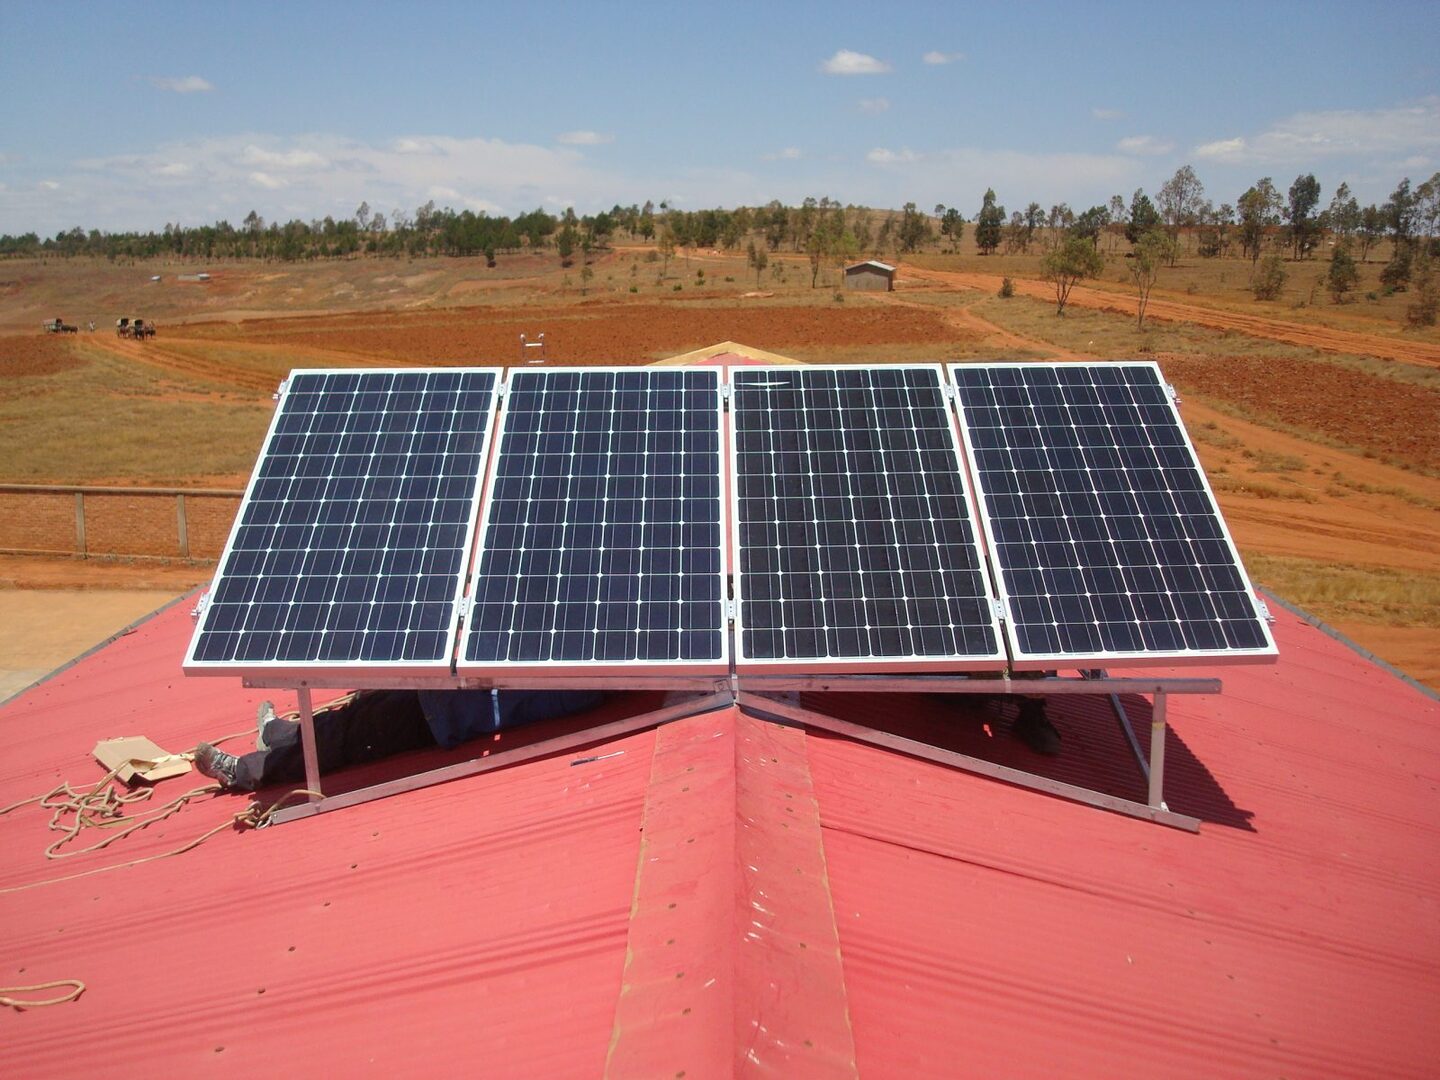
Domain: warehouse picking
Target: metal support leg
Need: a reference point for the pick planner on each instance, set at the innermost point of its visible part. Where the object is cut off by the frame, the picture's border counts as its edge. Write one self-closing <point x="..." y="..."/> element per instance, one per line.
<point x="1120" y="714"/>
<point x="307" y="741"/>
<point x="1157" y="752"/>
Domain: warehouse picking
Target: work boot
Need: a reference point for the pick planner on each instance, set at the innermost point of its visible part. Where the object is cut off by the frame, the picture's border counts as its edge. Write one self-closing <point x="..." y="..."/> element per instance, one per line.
<point x="1033" y="728"/>
<point x="263" y="715"/>
<point x="218" y="765"/>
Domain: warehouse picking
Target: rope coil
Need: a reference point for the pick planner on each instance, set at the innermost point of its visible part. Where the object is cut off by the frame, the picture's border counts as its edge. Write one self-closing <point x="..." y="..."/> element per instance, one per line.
<point x="100" y="806"/>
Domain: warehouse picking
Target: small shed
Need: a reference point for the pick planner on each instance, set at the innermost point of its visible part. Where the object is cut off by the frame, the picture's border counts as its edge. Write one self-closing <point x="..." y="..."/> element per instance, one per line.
<point x="870" y="275"/>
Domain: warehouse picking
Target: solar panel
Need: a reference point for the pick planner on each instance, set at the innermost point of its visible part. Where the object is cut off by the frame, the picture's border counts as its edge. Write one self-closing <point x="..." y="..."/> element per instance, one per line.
<point x="349" y="548"/>
<point x="854" y="533"/>
<point x="602" y="542"/>
<point x="1103" y="530"/>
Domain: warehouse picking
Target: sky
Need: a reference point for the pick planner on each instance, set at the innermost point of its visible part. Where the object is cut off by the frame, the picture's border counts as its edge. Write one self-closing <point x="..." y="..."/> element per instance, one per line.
<point x="128" y="116"/>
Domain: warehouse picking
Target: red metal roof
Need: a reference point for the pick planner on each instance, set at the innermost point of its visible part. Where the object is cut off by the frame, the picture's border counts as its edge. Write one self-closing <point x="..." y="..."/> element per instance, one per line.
<point x="514" y="922"/>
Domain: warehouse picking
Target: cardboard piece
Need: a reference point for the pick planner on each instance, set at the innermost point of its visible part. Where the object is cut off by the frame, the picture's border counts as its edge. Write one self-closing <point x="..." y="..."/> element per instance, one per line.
<point x="139" y="758"/>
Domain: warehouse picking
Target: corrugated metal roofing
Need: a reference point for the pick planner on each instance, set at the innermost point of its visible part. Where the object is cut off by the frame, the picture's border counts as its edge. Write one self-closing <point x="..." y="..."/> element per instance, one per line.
<point x="981" y="929"/>
<point x="727" y="897"/>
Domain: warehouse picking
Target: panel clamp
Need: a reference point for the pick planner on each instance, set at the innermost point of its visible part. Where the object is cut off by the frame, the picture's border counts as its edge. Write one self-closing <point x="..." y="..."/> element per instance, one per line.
<point x="1262" y="609"/>
<point x="281" y="389"/>
<point x="997" y="608"/>
<point x="1172" y="393"/>
<point x="201" y="603"/>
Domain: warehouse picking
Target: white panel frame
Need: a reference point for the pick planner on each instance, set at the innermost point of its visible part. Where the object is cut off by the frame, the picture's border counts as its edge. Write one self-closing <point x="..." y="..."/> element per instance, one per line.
<point x="1023" y="661"/>
<point x="355" y="671"/>
<point x="547" y="672"/>
<point x="744" y="665"/>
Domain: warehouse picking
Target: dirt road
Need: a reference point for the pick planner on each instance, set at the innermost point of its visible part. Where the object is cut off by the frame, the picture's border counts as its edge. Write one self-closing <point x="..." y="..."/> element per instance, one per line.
<point x="1316" y="337"/>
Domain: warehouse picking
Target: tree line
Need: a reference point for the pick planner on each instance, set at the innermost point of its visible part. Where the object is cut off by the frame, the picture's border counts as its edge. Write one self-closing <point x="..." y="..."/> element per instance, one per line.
<point x="1260" y="220"/>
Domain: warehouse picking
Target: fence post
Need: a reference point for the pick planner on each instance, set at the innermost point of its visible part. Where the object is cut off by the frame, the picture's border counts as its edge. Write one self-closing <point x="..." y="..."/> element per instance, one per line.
<point x="80" y="522"/>
<point x="184" y="530"/>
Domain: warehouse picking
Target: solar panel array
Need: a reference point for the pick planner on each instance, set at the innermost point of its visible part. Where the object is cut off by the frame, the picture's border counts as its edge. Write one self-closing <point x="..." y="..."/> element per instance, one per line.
<point x="601" y="537"/>
<point x="1106" y="538"/>
<point x="352" y="540"/>
<point x="854" y="535"/>
<point x="602" y="540"/>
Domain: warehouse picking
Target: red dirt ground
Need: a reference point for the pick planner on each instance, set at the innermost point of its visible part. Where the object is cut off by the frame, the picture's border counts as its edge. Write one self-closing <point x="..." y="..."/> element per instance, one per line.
<point x="603" y="331"/>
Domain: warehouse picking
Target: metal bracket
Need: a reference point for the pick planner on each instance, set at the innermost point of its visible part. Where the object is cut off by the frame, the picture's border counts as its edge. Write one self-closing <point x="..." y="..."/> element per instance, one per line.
<point x="1263" y="609"/>
<point x="998" y="608"/>
<point x="281" y="390"/>
<point x="201" y="603"/>
<point x="1172" y="393"/>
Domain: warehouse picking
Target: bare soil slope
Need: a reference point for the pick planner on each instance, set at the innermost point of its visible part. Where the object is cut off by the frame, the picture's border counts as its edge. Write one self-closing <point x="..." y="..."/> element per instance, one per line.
<point x="1174" y="310"/>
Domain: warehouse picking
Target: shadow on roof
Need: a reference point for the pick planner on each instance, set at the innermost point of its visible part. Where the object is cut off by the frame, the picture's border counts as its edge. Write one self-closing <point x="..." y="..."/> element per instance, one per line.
<point x="1094" y="753"/>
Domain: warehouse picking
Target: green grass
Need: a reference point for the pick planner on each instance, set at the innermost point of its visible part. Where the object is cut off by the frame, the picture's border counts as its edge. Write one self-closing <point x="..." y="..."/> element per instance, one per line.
<point x="1366" y="594"/>
<point x="1212" y="434"/>
<point x="1269" y="461"/>
<point x="103" y="420"/>
<point x="1222" y="481"/>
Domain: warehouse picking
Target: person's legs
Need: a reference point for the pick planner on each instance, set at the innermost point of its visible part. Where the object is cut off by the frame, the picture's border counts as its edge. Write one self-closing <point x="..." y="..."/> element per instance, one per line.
<point x="371" y="725"/>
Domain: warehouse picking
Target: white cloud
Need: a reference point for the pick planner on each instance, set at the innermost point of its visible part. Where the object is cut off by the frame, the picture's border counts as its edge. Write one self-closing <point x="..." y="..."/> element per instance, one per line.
<point x="49" y="185"/>
<point x="311" y="175"/>
<point x="933" y="57"/>
<point x="282" y="159"/>
<point x="189" y="84"/>
<point x="1106" y="114"/>
<point x="1144" y="145"/>
<point x="583" y="138"/>
<point x="1222" y="150"/>
<point x="788" y="153"/>
<point x="882" y="156"/>
<point x="1400" y="132"/>
<point x="874" y="106"/>
<point x="846" y="62"/>
<point x="449" y="196"/>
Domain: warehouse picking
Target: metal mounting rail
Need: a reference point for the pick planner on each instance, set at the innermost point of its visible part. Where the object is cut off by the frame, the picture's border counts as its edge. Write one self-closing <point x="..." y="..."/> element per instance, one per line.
<point x="752" y="697"/>
<point x="320" y="803"/>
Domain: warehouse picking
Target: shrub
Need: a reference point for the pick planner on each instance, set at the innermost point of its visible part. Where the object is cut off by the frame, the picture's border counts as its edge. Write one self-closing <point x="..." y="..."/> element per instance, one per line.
<point x="634" y="288"/>
<point x="1396" y="274"/>
<point x="1269" y="278"/>
<point x="1343" y="274"/>
<point x="677" y="287"/>
<point x="1426" y="308"/>
<point x="1007" y="288"/>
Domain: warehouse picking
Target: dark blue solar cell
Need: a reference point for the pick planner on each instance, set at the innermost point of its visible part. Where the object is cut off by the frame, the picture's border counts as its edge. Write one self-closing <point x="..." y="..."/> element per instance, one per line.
<point x="603" y="522"/>
<point x="856" y="542"/>
<point x="1106" y="539"/>
<point x="349" y="543"/>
